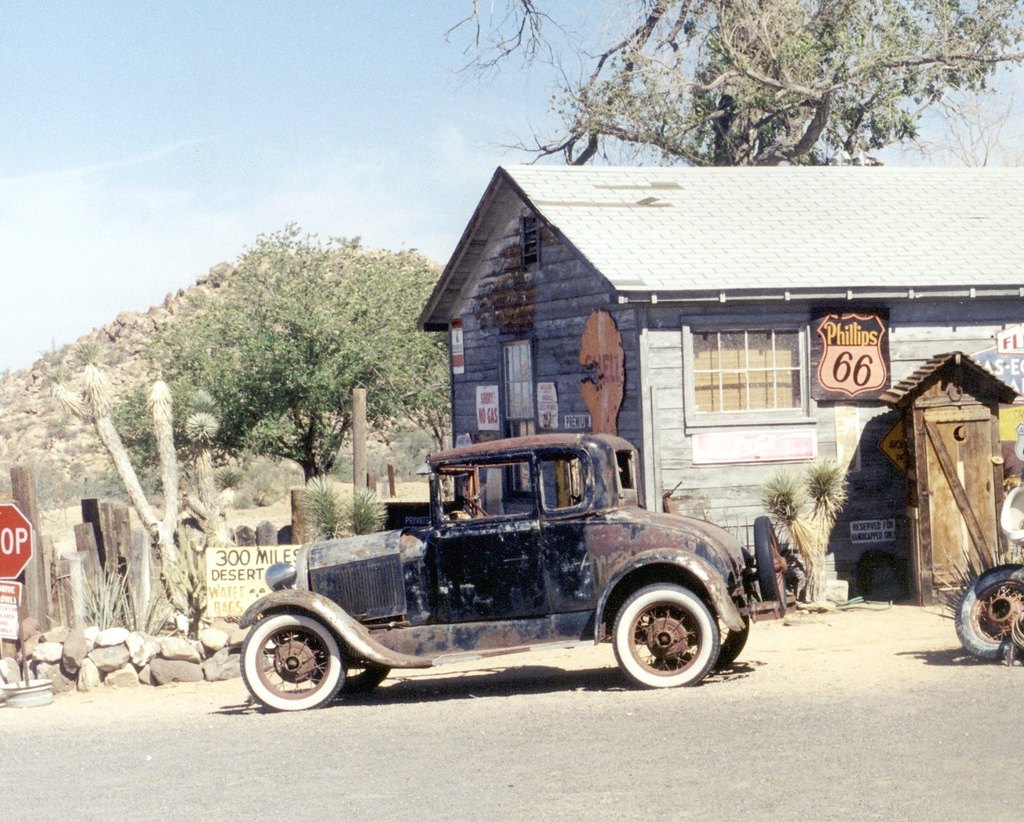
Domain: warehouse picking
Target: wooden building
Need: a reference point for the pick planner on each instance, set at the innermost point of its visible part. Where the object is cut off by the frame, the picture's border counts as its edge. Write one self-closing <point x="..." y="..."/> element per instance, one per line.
<point x="732" y="321"/>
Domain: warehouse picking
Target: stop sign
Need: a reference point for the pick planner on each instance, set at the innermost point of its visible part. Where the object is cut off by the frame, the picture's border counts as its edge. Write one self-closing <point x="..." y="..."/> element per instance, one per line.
<point x="15" y="541"/>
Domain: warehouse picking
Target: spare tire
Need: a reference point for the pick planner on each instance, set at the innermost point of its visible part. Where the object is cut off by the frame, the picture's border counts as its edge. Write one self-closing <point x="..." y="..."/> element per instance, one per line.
<point x="987" y="611"/>
<point x="766" y="552"/>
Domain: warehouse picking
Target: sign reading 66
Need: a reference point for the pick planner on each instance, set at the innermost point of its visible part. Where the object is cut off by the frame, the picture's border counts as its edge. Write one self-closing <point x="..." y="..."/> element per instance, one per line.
<point x="852" y="356"/>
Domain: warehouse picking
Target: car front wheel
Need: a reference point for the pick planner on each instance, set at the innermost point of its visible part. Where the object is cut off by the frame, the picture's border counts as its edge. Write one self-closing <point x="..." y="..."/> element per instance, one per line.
<point x="665" y="637"/>
<point x="291" y="662"/>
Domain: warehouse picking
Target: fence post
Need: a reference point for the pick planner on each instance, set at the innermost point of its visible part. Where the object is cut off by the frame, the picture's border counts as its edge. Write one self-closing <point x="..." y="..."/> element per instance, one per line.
<point x="358" y="438"/>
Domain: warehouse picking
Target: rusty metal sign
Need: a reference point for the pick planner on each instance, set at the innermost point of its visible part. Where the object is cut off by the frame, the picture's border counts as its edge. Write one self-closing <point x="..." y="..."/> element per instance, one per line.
<point x="851" y="351"/>
<point x="603" y="363"/>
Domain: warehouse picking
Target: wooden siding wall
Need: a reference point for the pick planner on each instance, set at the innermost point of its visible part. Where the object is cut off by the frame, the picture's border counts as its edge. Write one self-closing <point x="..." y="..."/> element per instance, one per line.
<point x="730" y="494"/>
<point x="564" y="291"/>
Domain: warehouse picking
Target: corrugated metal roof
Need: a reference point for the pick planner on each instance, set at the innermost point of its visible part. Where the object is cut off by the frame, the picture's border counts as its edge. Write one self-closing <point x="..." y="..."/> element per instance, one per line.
<point x="699" y="229"/>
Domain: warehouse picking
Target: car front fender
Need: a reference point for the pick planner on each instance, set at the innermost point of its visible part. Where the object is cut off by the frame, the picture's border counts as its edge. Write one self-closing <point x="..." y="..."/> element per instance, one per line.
<point x="355" y="636"/>
<point x="705" y="574"/>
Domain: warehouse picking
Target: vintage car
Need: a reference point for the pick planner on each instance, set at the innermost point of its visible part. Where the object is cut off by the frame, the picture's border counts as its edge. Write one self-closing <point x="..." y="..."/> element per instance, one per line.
<point x="532" y="542"/>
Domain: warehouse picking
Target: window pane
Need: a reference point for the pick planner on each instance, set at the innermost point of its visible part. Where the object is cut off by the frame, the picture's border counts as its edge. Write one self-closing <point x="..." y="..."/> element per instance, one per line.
<point x="746" y="370"/>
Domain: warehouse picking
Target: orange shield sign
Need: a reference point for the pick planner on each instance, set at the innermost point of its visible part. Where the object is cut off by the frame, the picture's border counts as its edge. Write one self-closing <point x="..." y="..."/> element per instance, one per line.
<point x="853" y="356"/>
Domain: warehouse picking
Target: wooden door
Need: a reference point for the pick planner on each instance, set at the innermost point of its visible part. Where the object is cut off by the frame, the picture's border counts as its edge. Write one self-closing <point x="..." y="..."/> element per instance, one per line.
<point x="961" y="494"/>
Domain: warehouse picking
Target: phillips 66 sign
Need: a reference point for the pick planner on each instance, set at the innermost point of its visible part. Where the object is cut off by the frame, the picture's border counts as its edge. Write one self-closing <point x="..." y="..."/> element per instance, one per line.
<point x="849" y="355"/>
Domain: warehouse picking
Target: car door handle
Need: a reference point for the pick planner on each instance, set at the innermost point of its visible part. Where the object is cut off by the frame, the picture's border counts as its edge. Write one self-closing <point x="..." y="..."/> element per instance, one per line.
<point x="522" y="558"/>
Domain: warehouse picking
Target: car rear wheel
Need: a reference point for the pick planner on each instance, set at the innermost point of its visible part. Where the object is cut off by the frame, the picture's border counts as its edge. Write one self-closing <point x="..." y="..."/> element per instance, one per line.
<point x="363" y="677"/>
<point x="665" y="637"/>
<point x="733" y="644"/>
<point x="291" y="662"/>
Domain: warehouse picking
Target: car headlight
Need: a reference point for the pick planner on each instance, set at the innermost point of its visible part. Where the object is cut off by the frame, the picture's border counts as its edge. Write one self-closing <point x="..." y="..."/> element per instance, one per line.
<point x="280" y="575"/>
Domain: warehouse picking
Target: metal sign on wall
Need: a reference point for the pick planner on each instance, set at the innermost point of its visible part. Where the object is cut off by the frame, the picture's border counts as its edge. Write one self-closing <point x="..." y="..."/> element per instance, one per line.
<point x="849" y="355"/>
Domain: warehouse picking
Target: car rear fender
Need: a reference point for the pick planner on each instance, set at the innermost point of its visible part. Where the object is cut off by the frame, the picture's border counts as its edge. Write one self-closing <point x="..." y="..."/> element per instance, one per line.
<point x="667" y="566"/>
<point x="358" y="640"/>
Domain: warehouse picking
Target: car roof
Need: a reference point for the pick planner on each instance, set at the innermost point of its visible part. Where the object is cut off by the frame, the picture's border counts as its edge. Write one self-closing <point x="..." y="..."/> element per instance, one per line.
<point x="517" y="446"/>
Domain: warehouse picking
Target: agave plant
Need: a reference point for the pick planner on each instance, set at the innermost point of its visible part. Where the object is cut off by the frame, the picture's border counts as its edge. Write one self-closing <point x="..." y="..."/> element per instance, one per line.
<point x="102" y="600"/>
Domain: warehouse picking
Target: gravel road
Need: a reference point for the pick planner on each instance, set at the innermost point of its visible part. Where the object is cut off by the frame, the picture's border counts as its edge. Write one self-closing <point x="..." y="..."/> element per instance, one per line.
<point x="856" y="715"/>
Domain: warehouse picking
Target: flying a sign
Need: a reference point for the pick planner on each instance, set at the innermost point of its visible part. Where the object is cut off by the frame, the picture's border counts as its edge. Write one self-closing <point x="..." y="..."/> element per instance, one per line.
<point x="851" y="355"/>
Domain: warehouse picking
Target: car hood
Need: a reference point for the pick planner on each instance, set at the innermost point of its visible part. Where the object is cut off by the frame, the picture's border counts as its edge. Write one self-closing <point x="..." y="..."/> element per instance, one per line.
<point x="405" y="542"/>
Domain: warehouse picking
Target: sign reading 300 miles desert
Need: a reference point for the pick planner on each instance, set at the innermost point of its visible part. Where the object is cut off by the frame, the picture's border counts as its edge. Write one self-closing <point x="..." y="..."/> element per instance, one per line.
<point x="850" y="353"/>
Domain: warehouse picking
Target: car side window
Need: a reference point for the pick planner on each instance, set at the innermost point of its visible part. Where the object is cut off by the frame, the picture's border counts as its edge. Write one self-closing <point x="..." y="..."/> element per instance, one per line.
<point x="484" y="491"/>
<point x="561" y="481"/>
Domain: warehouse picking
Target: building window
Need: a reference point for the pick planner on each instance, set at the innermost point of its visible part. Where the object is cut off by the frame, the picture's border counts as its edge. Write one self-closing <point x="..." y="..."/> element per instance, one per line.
<point x="530" y="230"/>
<point x="517" y="358"/>
<point x="735" y="371"/>
<point x="518" y="362"/>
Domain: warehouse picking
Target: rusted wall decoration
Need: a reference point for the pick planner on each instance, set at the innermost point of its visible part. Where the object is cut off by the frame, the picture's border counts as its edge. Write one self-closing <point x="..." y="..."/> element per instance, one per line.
<point x="602" y="359"/>
<point x="850" y="355"/>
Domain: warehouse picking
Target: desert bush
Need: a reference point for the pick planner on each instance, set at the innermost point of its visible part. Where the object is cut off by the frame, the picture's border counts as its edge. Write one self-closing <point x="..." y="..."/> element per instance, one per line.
<point x="102" y="599"/>
<point x="325" y="508"/>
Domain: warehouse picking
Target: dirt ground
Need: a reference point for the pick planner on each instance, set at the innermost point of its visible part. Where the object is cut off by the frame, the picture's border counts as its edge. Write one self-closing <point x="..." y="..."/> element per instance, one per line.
<point x="874" y="646"/>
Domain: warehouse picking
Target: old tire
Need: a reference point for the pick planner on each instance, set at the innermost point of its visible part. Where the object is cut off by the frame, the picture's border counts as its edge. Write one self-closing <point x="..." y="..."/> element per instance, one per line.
<point x="766" y="547"/>
<point x="363" y="677"/>
<point x="291" y="662"/>
<point x="665" y="637"/>
<point x="987" y="610"/>
<point x="732" y="645"/>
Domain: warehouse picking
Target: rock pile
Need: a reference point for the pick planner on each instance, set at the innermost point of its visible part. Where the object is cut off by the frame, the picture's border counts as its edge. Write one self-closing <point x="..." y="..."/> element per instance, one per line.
<point x="116" y="657"/>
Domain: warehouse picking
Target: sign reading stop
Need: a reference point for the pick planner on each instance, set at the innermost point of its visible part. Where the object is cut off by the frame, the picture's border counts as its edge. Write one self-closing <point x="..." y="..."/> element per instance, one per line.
<point x="15" y="541"/>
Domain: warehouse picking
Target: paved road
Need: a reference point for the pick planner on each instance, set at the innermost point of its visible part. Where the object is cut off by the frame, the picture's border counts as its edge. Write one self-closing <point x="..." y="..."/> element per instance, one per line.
<point x="803" y="733"/>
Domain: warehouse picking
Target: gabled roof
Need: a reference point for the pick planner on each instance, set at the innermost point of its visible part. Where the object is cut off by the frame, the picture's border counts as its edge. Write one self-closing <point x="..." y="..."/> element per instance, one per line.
<point x="906" y="390"/>
<point x="714" y="233"/>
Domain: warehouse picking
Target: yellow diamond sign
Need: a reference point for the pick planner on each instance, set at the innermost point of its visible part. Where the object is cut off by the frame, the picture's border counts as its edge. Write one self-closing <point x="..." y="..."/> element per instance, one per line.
<point x="894" y="446"/>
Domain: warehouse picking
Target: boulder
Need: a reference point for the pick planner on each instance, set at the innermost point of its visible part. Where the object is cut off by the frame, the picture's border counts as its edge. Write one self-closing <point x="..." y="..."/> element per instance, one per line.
<point x="88" y="675"/>
<point x="237" y="637"/>
<point x="213" y="639"/>
<point x="48" y="652"/>
<point x="58" y="634"/>
<point x="124" y="677"/>
<point x="91" y="633"/>
<point x="61" y="683"/>
<point x="9" y="671"/>
<point x="111" y="636"/>
<point x="176" y="648"/>
<point x="225" y="664"/>
<point x="146" y="676"/>
<point x="163" y="671"/>
<point x="76" y="646"/>
<point x="142" y="648"/>
<point x="110" y="658"/>
<point x="266" y="533"/>
<point x="244" y="535"/>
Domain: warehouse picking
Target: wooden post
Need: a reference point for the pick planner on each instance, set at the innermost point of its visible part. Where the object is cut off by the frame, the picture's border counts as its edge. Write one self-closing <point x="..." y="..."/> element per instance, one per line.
<point x="37" y="592"/>
<point x="70" y="585"/>
<point x="91" y="516"/>
<point x="140" y="567"/>
<point x="358" y="438"/>
<point x="301" y="531"/>
<point x="391" y="482"/>
<point x="85" y="540"/>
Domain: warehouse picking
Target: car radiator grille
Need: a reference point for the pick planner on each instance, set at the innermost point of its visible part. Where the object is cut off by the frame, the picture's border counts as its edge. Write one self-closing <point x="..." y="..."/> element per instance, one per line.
<point x="370" y="589"/>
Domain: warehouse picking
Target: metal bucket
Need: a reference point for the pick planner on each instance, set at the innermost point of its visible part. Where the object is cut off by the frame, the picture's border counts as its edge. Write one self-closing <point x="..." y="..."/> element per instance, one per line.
<point x="28" y="694"/>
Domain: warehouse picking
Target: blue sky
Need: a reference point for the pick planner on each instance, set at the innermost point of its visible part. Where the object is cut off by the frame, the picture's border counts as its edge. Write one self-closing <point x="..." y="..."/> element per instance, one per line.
<point x="145" y="142"/>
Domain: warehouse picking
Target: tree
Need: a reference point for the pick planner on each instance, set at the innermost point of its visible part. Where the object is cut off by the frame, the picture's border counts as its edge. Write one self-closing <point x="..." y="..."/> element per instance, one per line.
<point x="754" y="82"/>
<point x="299" y="325"/>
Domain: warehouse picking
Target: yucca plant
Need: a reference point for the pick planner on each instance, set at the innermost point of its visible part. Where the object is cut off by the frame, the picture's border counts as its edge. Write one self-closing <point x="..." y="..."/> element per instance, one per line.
<point x="188" y="581"/>
<point x="102" y="600"/>
<point x="366" y="512"/>
<point x="147" y="617"/>
<point x="325" y="508"/>
<point x="786" y="497"/>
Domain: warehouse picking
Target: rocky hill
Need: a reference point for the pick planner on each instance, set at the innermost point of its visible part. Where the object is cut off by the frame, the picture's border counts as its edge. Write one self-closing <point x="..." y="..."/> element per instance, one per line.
<point x="68" y="459"/>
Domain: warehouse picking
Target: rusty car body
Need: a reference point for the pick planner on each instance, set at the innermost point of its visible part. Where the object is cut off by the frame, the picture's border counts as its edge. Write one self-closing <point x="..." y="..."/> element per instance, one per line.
<point x="532" y="542"/>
